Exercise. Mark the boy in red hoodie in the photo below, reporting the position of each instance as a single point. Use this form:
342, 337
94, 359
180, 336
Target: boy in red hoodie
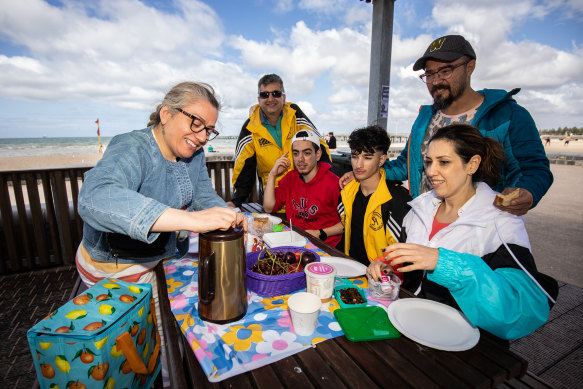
309, 192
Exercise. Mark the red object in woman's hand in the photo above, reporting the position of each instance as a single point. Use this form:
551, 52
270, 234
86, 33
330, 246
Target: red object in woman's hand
394, 267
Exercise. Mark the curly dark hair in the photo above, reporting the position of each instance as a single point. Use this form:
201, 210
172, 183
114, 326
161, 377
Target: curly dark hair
468, 141
369, 140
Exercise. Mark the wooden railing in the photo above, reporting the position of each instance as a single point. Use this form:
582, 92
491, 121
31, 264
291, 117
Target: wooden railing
39, 223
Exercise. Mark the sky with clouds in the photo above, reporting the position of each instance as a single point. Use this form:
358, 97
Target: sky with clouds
65, 63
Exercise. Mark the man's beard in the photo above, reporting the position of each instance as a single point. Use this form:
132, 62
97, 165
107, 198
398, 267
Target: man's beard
440, 103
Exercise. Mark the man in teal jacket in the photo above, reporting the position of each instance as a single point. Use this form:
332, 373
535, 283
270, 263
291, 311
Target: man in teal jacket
449, 63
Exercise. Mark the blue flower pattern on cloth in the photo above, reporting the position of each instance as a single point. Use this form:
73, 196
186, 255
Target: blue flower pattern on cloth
264, 335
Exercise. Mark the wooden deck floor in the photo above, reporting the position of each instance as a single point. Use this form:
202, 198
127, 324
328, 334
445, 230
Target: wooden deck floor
554, 352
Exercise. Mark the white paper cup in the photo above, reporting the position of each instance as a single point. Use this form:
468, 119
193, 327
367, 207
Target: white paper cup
320, 280
304, 309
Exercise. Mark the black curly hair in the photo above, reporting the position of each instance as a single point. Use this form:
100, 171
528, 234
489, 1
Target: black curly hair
369, 140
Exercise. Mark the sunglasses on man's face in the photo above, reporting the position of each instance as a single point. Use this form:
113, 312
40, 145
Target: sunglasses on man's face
276, 93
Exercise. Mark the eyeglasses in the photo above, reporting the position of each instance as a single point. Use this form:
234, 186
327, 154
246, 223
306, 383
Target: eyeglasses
276, 93
198, 123
444, 73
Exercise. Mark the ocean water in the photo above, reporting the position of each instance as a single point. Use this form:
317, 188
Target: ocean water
22, 147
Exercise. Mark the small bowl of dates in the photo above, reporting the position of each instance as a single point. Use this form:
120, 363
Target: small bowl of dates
350, 296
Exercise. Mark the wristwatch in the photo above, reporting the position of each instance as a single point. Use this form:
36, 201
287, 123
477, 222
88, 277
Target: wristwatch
323, 235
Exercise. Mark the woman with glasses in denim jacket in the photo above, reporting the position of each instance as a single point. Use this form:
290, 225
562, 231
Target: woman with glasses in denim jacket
149, 184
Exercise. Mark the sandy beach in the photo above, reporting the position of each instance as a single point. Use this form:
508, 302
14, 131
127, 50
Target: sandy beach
60, 160
48, 161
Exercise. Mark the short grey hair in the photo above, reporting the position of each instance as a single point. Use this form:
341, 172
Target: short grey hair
270, 79
183, 94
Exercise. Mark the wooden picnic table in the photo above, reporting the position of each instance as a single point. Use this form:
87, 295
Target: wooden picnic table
338, 362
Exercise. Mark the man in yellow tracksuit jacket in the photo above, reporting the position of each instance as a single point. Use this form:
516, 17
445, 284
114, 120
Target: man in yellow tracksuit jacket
266, 136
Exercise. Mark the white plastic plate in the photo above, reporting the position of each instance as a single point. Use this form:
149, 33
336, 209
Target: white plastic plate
433, 324
284, 238
345, 268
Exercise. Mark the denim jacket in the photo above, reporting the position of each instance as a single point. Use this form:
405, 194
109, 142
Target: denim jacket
131, 186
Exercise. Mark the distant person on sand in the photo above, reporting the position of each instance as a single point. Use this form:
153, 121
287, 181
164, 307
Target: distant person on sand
149, 184
547, 141
567, 140
331, 142
266, 135
449, 63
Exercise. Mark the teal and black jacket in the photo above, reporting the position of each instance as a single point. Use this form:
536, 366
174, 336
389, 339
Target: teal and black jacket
500, 117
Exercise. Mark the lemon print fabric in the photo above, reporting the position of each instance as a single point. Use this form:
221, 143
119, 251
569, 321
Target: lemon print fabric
76, 314
62, 363
100, 343
106, 309
115, 352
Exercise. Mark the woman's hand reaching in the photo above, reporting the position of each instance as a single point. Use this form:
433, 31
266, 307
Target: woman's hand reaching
377, 268
412, 256
216, 218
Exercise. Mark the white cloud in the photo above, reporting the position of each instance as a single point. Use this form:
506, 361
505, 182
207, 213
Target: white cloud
308, 54
546, 75
307, 108
124, 53
283, 6
324, 6
345, 95
23, 64
83, 56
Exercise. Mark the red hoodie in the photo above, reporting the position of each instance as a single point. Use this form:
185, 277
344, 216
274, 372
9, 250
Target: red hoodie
311, 205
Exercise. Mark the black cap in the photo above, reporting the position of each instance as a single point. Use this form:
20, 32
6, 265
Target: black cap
447, 49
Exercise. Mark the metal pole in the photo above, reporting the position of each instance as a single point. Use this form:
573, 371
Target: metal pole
380, 62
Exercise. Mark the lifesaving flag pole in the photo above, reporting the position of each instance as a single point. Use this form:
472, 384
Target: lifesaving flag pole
99, 137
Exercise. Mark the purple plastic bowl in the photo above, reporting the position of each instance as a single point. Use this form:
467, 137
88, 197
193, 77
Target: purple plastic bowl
270, 286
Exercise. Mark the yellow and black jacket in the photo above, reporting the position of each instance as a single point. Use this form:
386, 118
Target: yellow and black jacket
257, 151
383, 217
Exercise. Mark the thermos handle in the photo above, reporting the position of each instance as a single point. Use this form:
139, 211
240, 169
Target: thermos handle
206, 288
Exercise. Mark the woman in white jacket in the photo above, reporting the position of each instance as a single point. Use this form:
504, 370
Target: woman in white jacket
454, 235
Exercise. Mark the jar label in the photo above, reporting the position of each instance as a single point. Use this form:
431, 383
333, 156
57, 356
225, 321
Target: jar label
320, 268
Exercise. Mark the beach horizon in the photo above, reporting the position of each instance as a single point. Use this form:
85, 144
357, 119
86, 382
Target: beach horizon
57, 160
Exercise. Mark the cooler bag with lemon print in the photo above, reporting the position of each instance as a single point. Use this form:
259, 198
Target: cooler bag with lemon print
104, 338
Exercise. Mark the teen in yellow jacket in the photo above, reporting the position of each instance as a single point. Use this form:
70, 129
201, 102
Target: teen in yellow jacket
383, 216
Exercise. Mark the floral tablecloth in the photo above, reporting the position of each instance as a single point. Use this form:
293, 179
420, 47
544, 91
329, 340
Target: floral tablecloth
264, 335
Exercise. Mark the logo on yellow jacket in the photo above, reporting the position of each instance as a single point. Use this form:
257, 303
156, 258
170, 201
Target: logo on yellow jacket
376, 221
